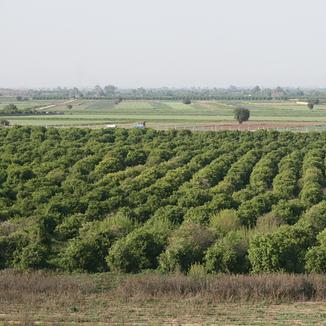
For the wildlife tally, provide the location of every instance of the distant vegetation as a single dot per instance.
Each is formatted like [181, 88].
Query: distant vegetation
[13, 109]
[165, 93]
[10, 108]
[312, 103]
[131, 200]
[4, 123]
[241, 114]
[186, 101]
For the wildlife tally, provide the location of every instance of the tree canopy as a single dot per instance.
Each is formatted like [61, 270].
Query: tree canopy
[241, 114]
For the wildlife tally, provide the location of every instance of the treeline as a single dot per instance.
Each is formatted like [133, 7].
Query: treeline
[114, 93]
[13, 110]
[131, 200]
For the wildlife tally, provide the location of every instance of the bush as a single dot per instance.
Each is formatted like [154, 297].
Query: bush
[281, 251]
[316, 216]
[316, 259]
[268, 223]
[140, 249]
[288, 211]
[7, 248]
[228, 255]
[225, 221]
[88, 251]
[186, 246]
[33, 256]
[194, 197]
[198, 215]
[70, 226]
[250, 210]
[311, 194]
[316, 256]
[197, 271]
[137, 251]
[174, 214]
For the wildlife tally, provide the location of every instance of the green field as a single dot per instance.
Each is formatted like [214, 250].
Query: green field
[101, 112]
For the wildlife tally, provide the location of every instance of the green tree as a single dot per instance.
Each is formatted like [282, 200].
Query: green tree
[241, 114]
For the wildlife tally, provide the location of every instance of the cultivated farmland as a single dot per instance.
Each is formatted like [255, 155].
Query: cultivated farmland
[160, 221]
[127, 201]
[200, 115]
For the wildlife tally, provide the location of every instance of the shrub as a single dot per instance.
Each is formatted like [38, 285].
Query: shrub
[281, 251]
[186, 246]
[225, 221]
[197, 271]
[316, 216]
[10, 108]
[174, 214]
[250, 210]
[198, 215]
[70, 226]
[268, 223]
[33, 256]
[137, 251]
[288, 211]
[316, 256]
[316, 259]
[7, 247]
[87, 252]
[228, 255]
[140, 249]
[194, 197]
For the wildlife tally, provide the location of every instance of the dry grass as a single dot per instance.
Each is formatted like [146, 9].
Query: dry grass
[42, 298]
[227, 288]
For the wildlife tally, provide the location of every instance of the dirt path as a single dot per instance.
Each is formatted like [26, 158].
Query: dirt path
[55, 105]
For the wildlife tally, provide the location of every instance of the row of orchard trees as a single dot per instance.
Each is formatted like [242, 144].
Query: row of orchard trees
[131, 200]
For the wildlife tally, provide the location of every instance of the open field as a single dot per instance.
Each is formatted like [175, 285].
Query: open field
[106, 299]
[98, 113]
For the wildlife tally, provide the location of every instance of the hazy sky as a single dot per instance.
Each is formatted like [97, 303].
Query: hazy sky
[153, 43]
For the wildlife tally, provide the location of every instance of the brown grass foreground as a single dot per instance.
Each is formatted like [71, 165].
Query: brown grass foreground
[48, 298]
